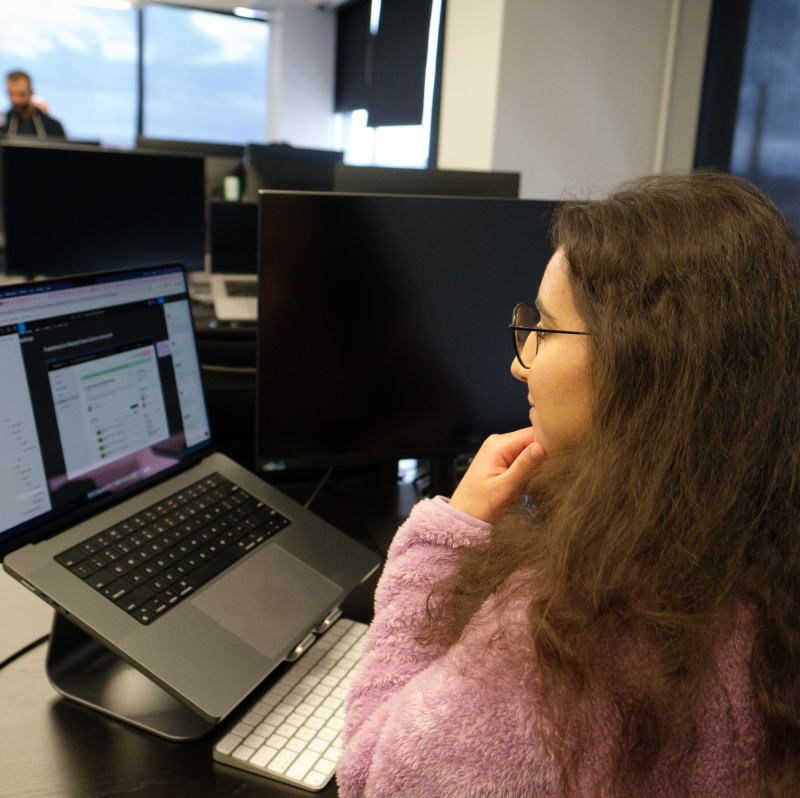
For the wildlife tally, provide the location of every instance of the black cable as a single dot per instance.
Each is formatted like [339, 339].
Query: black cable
[319, 487]
[29, 647]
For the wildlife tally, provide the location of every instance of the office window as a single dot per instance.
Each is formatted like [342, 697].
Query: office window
[83, 63]
[205, 75]
[766, 141]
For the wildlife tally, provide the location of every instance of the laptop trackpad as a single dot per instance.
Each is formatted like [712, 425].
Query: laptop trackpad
[268, 600]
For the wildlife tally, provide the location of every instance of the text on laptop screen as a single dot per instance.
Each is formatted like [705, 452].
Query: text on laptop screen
[101, 390]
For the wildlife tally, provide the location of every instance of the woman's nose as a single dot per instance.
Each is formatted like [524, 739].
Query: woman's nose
[520, 373]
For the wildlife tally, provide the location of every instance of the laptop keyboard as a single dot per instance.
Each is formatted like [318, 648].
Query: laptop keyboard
[292, 733]
[241, 288]
[153, 560]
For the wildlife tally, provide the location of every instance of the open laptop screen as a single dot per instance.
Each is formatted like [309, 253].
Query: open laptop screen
[100, 391]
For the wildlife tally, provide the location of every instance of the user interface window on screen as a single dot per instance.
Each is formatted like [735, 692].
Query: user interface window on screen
[101, 390]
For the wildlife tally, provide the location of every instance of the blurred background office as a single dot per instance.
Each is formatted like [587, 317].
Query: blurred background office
[578, 94]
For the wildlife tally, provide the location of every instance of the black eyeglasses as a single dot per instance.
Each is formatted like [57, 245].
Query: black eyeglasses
[524, 321]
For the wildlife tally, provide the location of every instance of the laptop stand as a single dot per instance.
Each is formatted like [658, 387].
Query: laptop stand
[84, 670]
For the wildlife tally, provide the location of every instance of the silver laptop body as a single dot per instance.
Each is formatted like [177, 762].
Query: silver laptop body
[216, 645]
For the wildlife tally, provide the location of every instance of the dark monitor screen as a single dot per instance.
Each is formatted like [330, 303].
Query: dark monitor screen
[383, 324]
[441, 182]
[76, 210]
[234, 237]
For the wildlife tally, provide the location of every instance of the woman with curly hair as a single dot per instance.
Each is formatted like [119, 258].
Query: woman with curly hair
[610, 602]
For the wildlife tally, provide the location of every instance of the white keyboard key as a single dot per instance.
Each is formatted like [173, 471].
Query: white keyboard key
[280, 690]
[335, 723]
[319, 672]
[311, 681]
[242, 729]
[275, 718]
[286, 731]
[327, 734]
[302, 765]
[265, 729]
[315, 723]
[292, 700]
[252, 719]
[304, 734]
[326, 766]
[305, 710]
[323, 712]
[338, 673]
[318, 745]
[296, 745]
[322, 689]
[228, 743]
[333, 754]
[296, 719]
[290, 678]
[244, 753]
[313, 700]
[282, 761]
[302, 690]
[332, 681]
[277, 741]
[282, 709]
[332, 703]
[254, 741]
[315, 778]
[262, 708]
[340, 713]
[340, 693]
[337, 743]
[263, 756]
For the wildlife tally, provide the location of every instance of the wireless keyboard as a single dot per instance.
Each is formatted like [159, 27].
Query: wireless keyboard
[292, 733]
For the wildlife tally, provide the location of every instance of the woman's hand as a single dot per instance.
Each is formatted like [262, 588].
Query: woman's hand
[498, 474]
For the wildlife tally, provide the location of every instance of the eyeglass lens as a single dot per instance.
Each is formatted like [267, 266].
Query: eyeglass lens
[526, 342]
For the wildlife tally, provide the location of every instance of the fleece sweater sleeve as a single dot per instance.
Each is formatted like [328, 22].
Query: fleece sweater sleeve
[421, 554]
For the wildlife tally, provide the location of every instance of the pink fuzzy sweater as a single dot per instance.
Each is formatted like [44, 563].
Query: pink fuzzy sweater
[465, 724]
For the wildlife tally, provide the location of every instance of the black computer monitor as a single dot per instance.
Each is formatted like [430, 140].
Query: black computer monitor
[234, 237]
[440, 182]
[286, 168]
[70, 210]
[383, 324]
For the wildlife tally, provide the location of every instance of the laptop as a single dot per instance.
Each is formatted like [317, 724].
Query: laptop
[234, 260]
[108, 473]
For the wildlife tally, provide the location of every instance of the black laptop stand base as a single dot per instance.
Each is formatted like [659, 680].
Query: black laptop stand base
[83, 670]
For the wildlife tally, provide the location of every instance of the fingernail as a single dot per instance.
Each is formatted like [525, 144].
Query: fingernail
[537, 449]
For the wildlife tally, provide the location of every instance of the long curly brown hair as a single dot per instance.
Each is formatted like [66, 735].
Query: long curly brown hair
[685, 498]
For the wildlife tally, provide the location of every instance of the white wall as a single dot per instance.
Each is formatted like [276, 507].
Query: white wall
[300, 87]
[471, 68]
[578, 101]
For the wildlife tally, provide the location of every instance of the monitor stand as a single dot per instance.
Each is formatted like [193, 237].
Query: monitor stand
[84, 670]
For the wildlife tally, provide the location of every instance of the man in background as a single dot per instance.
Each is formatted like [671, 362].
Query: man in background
[24, 118]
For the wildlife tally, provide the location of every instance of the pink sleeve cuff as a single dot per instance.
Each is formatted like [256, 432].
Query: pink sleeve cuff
[443, 503]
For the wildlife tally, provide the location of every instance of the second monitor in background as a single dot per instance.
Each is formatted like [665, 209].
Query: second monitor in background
[438, 182]
[71, 209]
[234, 260]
